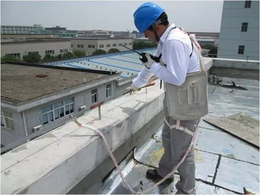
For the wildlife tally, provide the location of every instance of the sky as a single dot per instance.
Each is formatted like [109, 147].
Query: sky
[196, 16]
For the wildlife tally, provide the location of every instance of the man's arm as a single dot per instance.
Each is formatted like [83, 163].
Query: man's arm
[142, 77]
[177, 60]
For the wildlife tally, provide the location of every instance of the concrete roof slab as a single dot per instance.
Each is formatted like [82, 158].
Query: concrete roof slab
[235, 175]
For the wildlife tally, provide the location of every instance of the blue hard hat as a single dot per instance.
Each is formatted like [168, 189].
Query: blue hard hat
[146, 15]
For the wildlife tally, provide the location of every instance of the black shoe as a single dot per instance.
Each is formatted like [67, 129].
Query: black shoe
[153, 175]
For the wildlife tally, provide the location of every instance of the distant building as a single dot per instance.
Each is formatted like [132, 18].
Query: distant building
[103, 34]
[204, 42]
[206, 34]
[17, 37]
[134, 34]
[41, 46]
[61, 31]
[10, 29]
[239, 34]
[38, 98]
[142, 39]
[89, 45]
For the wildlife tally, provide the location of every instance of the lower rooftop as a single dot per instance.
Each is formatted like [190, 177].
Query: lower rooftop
[23, 82]
[71, 159]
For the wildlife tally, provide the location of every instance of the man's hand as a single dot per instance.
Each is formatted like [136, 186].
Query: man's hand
[147, 60]
[132, 89]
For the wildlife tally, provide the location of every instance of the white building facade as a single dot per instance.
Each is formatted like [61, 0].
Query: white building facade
[239, 34]
[10, 29]
[89, 45]
[20, 48]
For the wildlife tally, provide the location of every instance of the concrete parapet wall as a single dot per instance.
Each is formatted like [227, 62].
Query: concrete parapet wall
[60, 159]
[234, 68]
[237, 64]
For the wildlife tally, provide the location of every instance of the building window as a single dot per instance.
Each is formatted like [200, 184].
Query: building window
[16, 55]
[248, 4]
[114, 45]
[33, 52]
[89, 46]
[49, 52]
[130, 43]
[71, 45]
[92, 46]
[125, 44]
[64, 50]
[101, 46]
[108, 45]
[80, 46]
[241, 49]
[244, 27]
[108, 90]
[7, 120]
[94, 96]
[120, 44]
[69, 106]
[57, 110]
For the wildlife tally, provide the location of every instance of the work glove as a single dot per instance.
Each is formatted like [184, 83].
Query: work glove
[148, 59]
[132, 89]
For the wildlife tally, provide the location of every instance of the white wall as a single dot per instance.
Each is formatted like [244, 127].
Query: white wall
[98, 42]
[40, 47]
[234, 14]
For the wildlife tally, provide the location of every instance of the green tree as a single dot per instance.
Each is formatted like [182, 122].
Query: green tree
[143, 45]
[79, 53]
[59, 56]
[99, 52]
[9, 58]
[113, 50]
[32, 58]
[49, 58]
[68, 55]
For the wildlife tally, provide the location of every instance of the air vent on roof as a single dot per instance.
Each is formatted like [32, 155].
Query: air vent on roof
[41, 75]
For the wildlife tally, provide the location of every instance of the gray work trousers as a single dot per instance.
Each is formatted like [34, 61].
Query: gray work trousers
[175, 143]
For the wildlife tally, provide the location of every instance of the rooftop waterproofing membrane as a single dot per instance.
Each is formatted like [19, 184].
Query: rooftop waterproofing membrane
[225, 164]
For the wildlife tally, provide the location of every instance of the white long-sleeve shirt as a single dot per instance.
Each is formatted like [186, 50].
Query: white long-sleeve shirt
[175, 47]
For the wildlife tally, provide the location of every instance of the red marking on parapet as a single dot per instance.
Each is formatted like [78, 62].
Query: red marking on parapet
[96, 105]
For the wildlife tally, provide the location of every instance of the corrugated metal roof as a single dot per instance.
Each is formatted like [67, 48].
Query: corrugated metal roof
[126, 62]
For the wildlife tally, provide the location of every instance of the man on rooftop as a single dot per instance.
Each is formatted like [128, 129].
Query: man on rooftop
[179, 65]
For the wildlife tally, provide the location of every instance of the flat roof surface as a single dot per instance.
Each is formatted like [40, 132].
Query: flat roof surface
[225, 164]
[19, 83]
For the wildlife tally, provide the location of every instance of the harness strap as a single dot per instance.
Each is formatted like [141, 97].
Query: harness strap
[191, 49]
[178, 127]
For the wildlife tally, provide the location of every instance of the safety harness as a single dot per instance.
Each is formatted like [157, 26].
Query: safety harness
[178, 125]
